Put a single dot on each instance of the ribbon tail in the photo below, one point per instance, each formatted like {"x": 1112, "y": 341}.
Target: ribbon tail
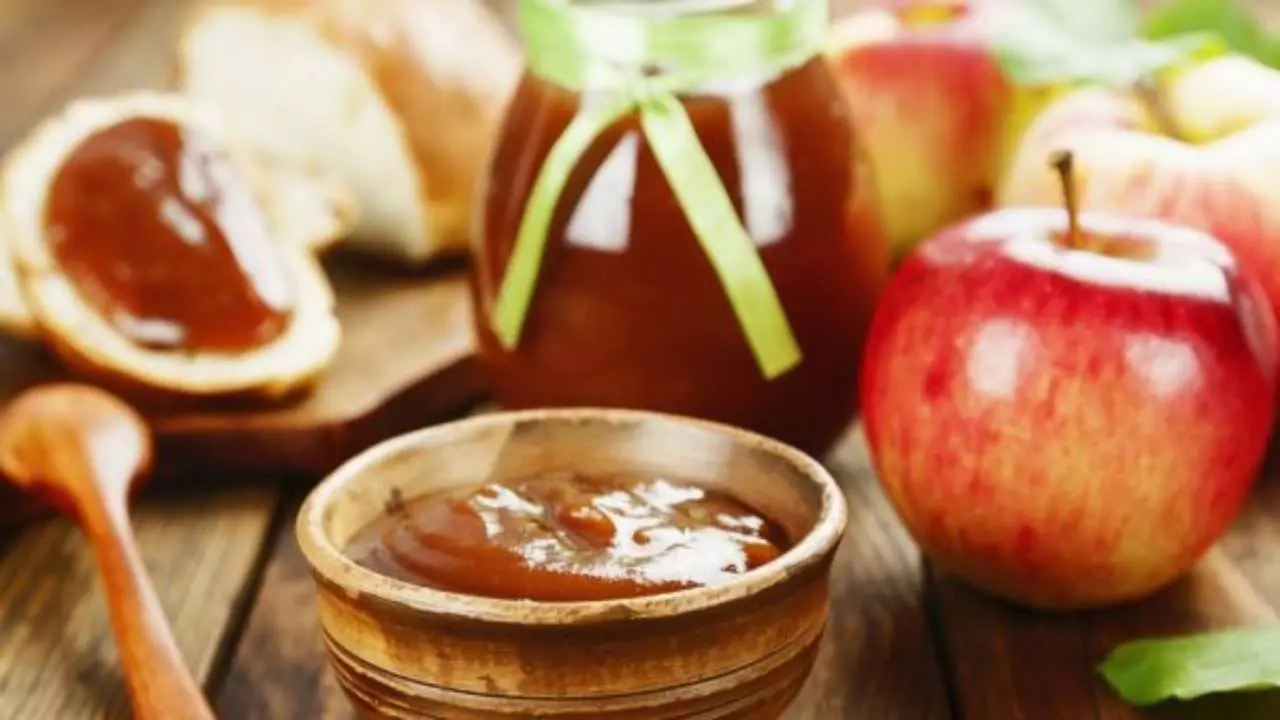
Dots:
{"x": 701, "y": 194}
{"x": 521, "y": 274}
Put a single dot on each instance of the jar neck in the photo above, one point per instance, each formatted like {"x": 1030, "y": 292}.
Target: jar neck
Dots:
{"x": 683, "y": 8}
{"x": 672, "y": 44}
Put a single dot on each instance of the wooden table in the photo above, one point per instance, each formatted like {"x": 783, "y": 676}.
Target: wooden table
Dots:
{"x": 903, "y": 644}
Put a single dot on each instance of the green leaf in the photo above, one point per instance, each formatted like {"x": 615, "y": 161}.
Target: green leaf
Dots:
{"x": 1146, "y": 672}
{"x": 1043, "y": 42}
{"x": 1103, "y": 21}
{"x": 1238, "y": 28}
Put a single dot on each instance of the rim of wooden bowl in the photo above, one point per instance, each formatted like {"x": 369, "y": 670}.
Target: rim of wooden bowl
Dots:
{"x": 330, "y": 563}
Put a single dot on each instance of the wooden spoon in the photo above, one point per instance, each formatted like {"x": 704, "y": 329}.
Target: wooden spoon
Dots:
{"x": 83, "y": 449}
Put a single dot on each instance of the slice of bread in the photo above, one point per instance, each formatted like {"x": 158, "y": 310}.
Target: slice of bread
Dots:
{"x": 61, "y": 317}
{"x": 400, "y": 100}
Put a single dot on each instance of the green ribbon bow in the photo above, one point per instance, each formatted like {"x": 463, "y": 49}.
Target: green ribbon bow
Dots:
{"x": 582, "y": 47}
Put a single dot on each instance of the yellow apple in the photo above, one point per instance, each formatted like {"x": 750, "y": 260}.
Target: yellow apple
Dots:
{"x": 1200, "y": 147}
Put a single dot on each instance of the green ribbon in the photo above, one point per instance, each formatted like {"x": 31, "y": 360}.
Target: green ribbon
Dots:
{"x": 616, "y": 52}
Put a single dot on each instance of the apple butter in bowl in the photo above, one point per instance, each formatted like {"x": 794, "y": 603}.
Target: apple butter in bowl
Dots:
{"x": 568, "y": 537}
{"x": 572, "y": 563}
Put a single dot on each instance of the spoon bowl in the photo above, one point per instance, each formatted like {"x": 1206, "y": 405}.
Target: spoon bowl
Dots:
{"x": 64, "y": 441}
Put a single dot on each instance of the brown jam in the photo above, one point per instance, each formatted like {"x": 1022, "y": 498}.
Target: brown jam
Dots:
{"x": 162, "y": 236}
{"x": 567, "y": 537}
{"x": 628, "y": 311}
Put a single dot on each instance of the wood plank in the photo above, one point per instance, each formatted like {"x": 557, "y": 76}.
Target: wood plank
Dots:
{"x": 1010, "y": 663}
{"x": 140, "y": 55}
{"x": 19, "y": 18}
{"x": 57, "y": 656}
{"x": 876, "y": 659}
{"x": 1256, "y": 534}
{"x": 47, "y": 59}
{"x": 405, "y": 360}
{"x": 278, "y": 671}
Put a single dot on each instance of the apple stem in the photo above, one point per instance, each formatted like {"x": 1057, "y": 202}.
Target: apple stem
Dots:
{"x": 1149, "y": 94}
{"x": 1064, "y": 162}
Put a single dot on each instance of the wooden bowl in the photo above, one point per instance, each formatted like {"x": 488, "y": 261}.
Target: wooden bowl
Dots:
{"x": 737, "y": 650}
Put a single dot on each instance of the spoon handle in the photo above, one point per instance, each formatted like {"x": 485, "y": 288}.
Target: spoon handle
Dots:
{"x": 159, "y": 684}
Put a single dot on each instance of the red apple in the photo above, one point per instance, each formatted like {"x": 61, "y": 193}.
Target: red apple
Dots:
{"x": 1068, "y": 419}
{"x": 932, "y": 108}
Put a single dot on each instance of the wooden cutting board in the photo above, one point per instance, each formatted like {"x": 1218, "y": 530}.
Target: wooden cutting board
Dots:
{"x": 405, "y": 361}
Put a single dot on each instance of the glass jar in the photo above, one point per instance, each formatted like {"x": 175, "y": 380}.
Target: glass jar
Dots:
{"x": 636, "y": 295}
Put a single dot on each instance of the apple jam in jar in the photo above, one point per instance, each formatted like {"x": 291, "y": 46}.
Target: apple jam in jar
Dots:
{"x": 678, "y": 218}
